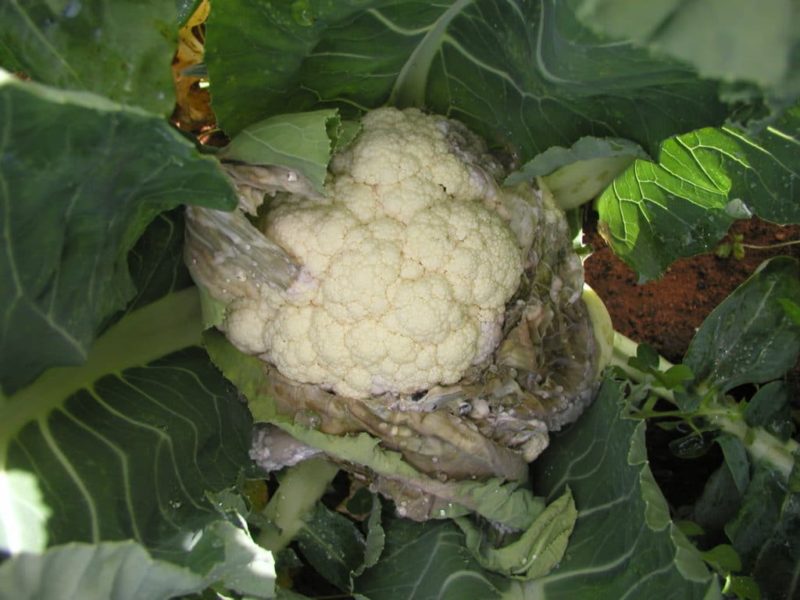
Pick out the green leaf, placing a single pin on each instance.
(624, 543)
(122, 49)
(577, 174)
(156, 261)
(735, 455)
(744, 588)
(524, 74)
(246, 567)
(332, 545)
(127, 445)
(792, 309)
(301, 141)
(724, 39)
(536, 551)
(723, 558)
(430, 560)
(675, 376)
(646, 358)
(23, 513)
(749, 338)
(75, 199)
(719, 501)
(127, 573)
(766, 534)
(376, 536)
(656, 212)
(124, 570)
(770, 408)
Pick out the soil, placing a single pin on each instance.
(665, 315)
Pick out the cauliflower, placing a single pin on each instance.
(405, 272)
(416, 299)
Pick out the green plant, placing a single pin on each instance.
(122, 444)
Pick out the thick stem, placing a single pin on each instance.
(761, 444)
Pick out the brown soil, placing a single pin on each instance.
(666, 313)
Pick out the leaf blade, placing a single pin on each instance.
(71, 217)
(749, 338)
(121, 50)
(654, 213)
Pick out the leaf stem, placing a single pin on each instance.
(300, 488)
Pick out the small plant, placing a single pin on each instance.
(736, 247)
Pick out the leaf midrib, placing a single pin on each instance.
(161, 328)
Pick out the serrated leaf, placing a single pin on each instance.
(749, 338)
(654, 213)
(74, 202)
(525, 74)
(122, 50)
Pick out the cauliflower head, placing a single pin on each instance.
(415, 299)
(405, 271)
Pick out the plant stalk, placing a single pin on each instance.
(300, 488)
(761, 444)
